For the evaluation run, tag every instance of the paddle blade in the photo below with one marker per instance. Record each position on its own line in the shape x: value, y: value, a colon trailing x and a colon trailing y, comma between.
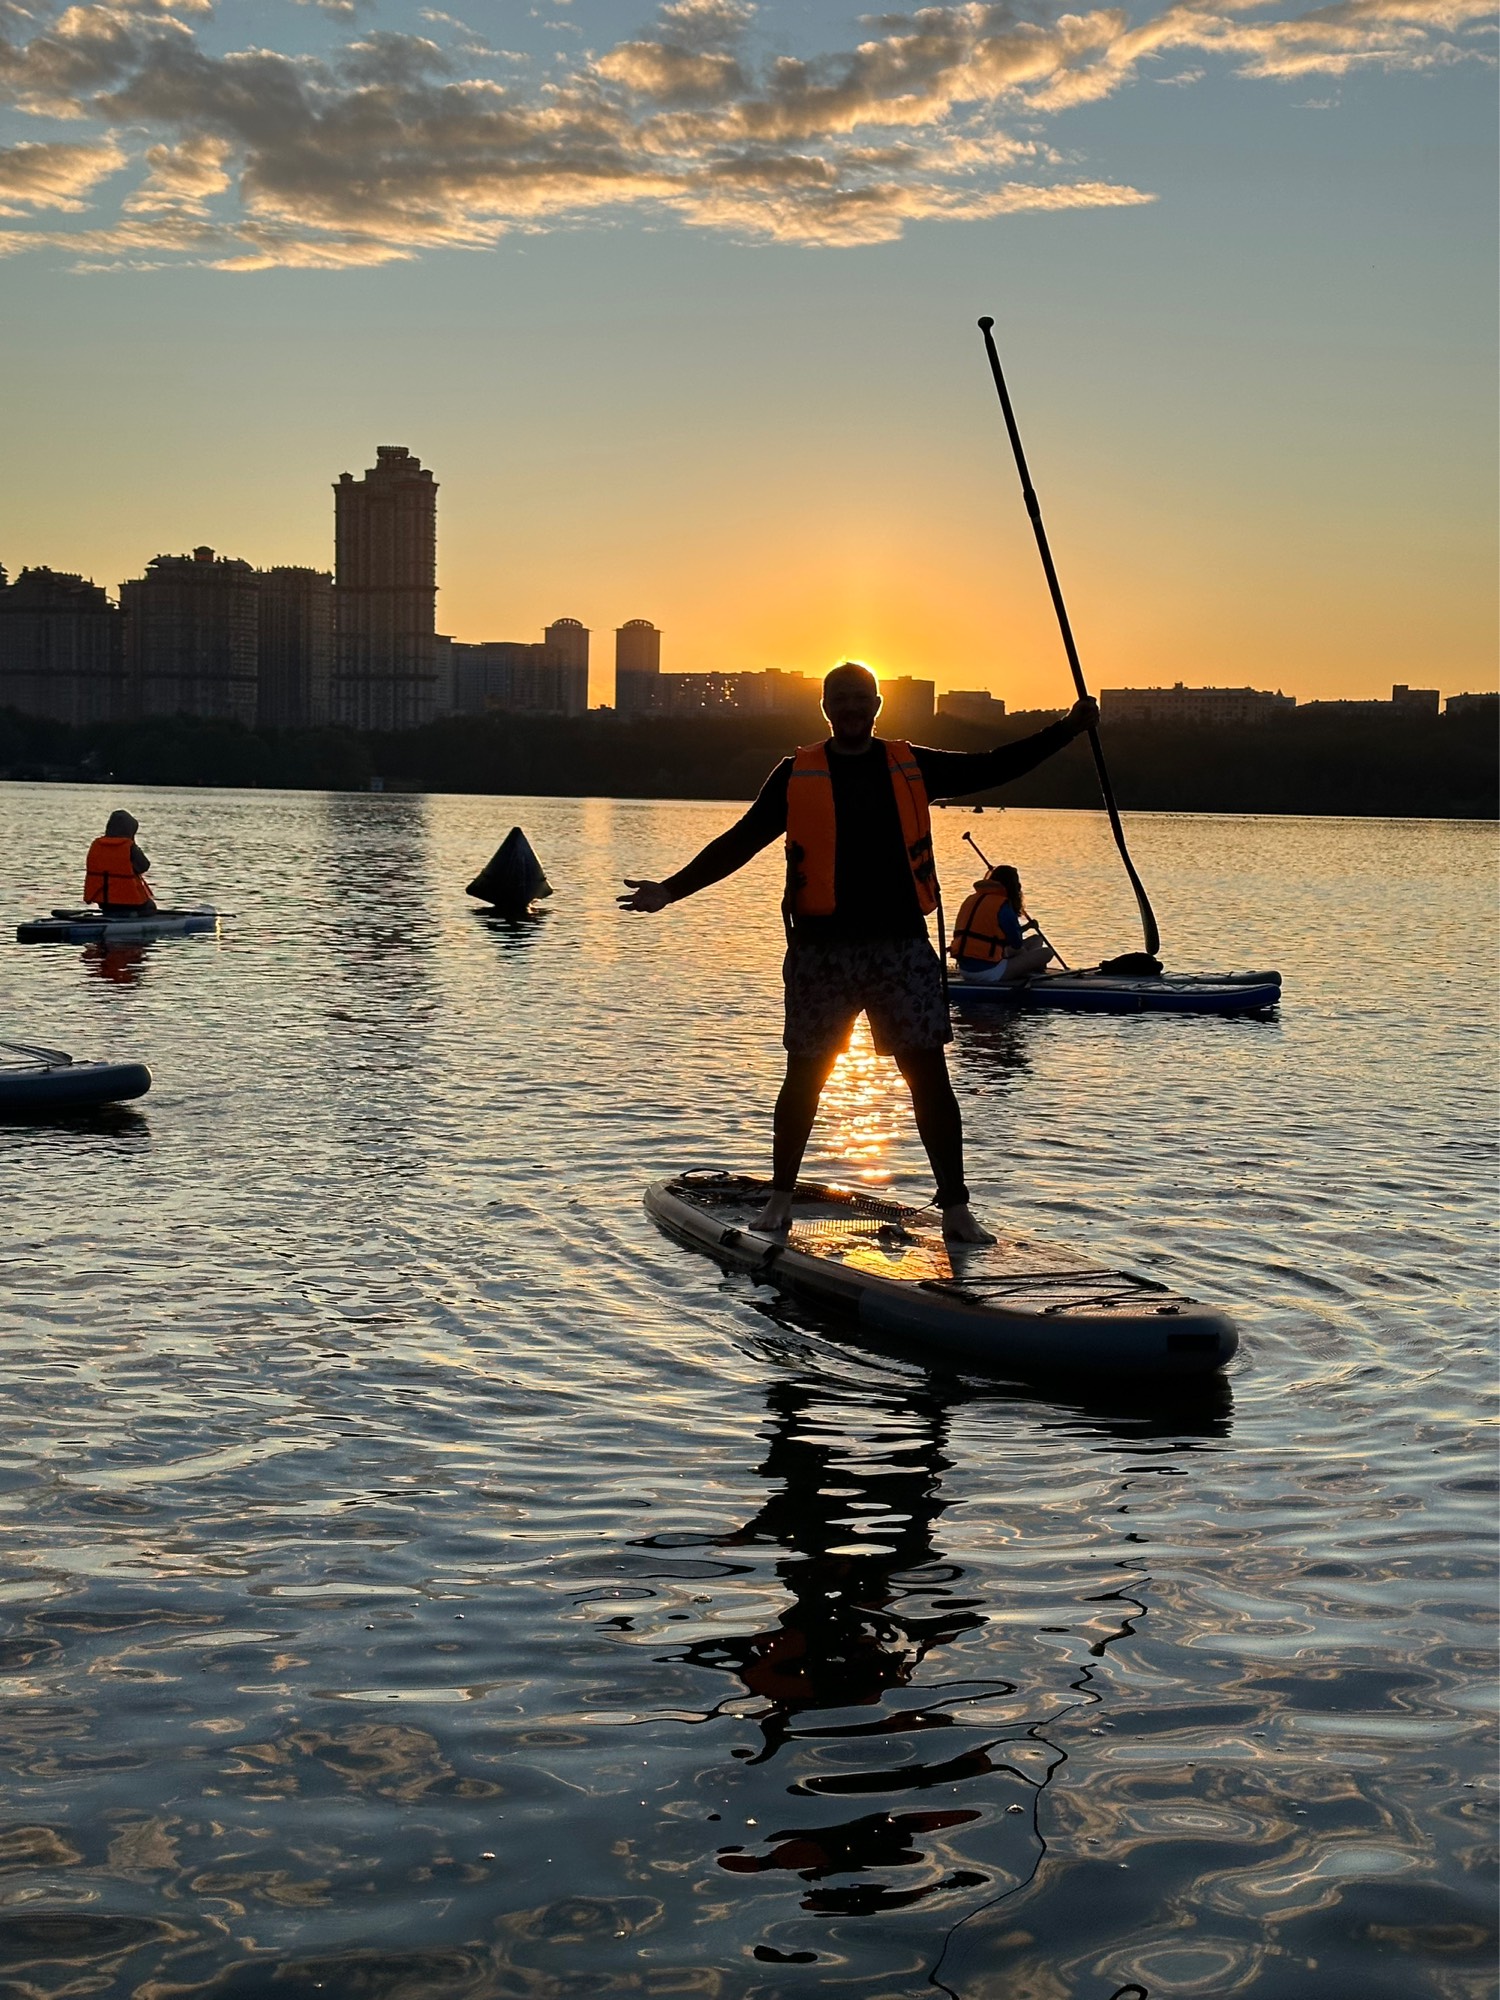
x: 1133, y: 965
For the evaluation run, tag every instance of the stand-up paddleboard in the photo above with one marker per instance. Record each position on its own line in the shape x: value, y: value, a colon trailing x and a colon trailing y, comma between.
x: 89, y: 927
x: 41, y: 1080
x: 1021, y: 1306
x: 1100, y: 992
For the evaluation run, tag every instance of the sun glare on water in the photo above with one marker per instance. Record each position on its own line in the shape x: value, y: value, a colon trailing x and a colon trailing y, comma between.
x: 862, y: 1104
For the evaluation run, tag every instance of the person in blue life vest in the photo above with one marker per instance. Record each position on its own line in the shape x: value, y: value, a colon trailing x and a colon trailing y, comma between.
x: 989, y: 939
x: 860, y: 884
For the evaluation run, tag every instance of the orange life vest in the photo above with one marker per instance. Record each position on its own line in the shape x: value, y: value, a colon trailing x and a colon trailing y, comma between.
x: 109, y: 873
x: 811, y: 833
x: 977, y: 934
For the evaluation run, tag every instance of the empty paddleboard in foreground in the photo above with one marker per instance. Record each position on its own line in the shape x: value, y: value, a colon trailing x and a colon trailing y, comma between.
x: 45, y: 1080
x: 1023, y: 1305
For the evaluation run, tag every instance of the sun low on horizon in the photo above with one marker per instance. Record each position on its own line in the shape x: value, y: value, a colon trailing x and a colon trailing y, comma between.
x: 679, y: 307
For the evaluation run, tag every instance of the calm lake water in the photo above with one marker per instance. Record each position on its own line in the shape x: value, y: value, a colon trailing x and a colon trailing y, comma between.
x: 423, y: 1578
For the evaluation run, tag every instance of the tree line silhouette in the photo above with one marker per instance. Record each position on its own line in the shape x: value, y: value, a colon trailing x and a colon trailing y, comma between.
x: 1313, y: 760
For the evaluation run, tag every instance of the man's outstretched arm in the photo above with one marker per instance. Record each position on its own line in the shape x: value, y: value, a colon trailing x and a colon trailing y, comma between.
x: 950, y: 774
x: 764, y: 822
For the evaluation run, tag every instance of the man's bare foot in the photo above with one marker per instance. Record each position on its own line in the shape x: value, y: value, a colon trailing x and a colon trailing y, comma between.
x: 962, y: 1225
x: 777, y: 1213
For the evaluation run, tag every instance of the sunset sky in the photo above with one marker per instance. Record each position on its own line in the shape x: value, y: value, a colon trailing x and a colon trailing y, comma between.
x: 679, y: 307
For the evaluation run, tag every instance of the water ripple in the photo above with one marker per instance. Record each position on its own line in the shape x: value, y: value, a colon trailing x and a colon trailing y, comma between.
x: 422, y: 1578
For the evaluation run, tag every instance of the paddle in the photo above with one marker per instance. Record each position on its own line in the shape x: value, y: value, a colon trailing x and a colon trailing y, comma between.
x: 1031, y: 922
x: 1033, y: 508
x: 54, y: 1058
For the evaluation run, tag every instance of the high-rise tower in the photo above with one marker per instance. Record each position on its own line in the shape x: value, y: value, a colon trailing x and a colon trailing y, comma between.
x: 385, y: 593
x: 60, y: 649
x: 566, y: 641
x: 296, y: 646
x: 192, y: 634
x: 637, y: 666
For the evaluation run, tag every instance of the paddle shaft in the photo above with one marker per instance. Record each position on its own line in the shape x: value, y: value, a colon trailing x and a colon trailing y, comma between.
x: 1033, y: 508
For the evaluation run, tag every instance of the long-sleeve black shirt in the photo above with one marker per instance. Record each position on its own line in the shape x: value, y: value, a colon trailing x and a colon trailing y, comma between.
x: 874, y: 895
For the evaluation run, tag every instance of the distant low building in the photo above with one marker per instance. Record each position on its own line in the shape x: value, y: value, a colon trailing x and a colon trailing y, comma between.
x: 60, y: 648
x: 907, y: 710
x: 775, y: 691
x: 907, y: 706
x: 767, y: 693
x: 695, y: 694
x: 444, y: 694
x: 519, y: 678
x: 1416, y: 701
x: 1404, y: 700
x: 1346, y: 707
x: 192, y: 638
x: 771, y: 691
x: 1225, y: 706
x: 971, y: 705
x: 1487, y: 705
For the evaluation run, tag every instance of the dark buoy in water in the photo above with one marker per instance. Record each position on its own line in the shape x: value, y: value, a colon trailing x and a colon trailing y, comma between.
x: 512, y: 879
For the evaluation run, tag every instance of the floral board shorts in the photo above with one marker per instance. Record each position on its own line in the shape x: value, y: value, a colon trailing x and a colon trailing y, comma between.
x: 898, y: 982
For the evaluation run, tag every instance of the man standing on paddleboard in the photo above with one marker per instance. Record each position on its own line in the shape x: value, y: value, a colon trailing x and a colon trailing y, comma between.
x: 860, y: 885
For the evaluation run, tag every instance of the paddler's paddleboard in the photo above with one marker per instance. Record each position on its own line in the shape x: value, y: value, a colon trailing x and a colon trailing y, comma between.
x: 1022, y: 1306
x: 89, y: 927
x: 1100, y: 992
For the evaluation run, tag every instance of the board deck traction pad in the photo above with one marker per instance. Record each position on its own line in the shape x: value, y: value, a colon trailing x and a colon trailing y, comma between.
x: 888, y: 1239
x: 1010, y: 1293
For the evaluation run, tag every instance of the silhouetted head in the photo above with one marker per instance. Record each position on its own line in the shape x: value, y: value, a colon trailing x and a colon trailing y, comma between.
x: 122, y: 825
x: 1003, y: 876
x: 851, y: 701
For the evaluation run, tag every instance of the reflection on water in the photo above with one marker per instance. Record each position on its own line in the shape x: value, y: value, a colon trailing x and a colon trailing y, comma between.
x: 422, y: 1578
x: 513, y: 933
x: 864, y: 1107
x: 120, y: 964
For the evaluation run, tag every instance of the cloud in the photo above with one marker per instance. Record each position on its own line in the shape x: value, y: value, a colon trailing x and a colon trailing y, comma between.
x: 388, y: 144
x: 41, y: 176
x: 182, y: 178
x: 57, y: 71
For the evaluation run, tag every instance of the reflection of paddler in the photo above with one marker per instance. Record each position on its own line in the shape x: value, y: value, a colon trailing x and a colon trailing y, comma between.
x: 848, y: 1636
x: 115, y: 872
x: 121, y: 965
x: 877, y: 1840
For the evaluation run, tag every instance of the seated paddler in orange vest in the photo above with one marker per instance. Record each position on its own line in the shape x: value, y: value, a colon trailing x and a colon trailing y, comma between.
x: 989, y: 939
x: 115, y: 872
x: 860, y: 885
